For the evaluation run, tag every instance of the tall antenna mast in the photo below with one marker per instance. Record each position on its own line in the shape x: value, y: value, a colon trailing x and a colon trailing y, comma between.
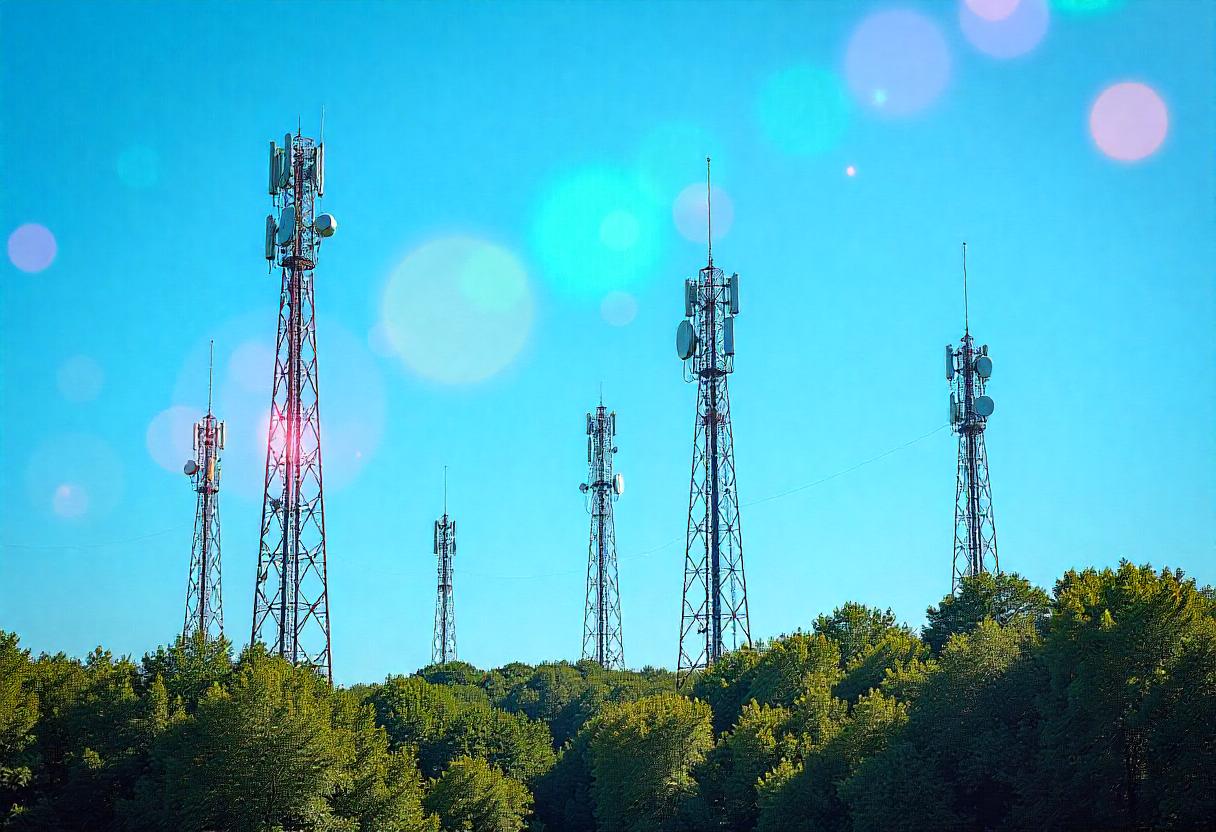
x: 210, y: 375
x: 204, y: 599
x: 291, y: 594
x: 443, y: 641
x: 966, y: 303
x: 709, y: 213
x: 602, y: 636
x: 714, y: 614
x: 968, y: 370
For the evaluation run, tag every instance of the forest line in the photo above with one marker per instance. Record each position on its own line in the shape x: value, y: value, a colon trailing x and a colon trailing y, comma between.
x: 1090, y: 707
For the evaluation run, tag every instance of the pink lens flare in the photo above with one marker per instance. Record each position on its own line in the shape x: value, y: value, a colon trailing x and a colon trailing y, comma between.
x: 897, y: 62
x: 32, y: 247
x: 1129, y: 121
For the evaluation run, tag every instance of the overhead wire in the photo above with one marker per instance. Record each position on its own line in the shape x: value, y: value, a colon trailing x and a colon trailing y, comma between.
x: 787, y: 492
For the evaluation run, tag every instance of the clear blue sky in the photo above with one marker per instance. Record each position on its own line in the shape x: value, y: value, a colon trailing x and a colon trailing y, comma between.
x: 552, y: 140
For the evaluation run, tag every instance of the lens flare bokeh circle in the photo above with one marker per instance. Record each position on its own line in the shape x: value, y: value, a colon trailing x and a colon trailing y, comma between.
x: 619, y: 308
x: 1014, y: 34
x: 897, y: 62
x: 32, y: 247
x: 1129, y: 121
x: 75, y: 476
x: 691, y: 213
x: 992, y: 9
x: 599, y: 230
x: 458, y: 310
x: 170, y: 436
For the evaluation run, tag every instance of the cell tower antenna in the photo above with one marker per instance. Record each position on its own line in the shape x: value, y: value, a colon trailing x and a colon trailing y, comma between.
x: 714, y: 614
x: 443, y: 642
x: 968, y: 370
x: 210, y: 374
x: 709, y: 213
x: 602, y: 635
x: 204, y: 597
x: 966, y: 302
x: 291, y: 594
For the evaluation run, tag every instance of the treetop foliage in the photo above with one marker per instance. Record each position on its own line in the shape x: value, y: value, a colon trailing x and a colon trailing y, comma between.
x: 1092, y: 707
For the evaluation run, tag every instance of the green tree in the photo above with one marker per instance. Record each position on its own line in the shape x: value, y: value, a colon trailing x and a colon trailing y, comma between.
x: 968, y: 742
x: 473, y: 796
x: 1116, y: 640
x: 1005, y: 598
x: 895, y: 651
x: 93, y: 736
x: 806, y: 797
x: 728, y: 777
x: 642, y: 754
x: 190, y: 666
x: 855, y: 627
x: 379, y: 790
x: 726, y: 686
x: 262, y: 753
x: 793, y: 665
x: 453, y: 673
x: 18, y: 715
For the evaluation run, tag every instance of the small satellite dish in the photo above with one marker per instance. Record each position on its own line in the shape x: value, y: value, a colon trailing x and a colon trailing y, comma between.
x: 190, y: 468
x: 984, y: 406
x: 325, y: 225
x: 287, y: 225
x: 582, y: 486
x: 949, y: 362
x: 618, y: 484
x: 983, y: 366
x: 686, y: 340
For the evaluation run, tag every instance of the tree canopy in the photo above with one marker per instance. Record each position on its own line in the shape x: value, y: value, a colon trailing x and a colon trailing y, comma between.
x: 1092, y: 707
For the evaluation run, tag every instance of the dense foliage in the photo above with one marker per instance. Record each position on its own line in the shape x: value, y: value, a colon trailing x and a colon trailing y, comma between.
x: 1093, y: 707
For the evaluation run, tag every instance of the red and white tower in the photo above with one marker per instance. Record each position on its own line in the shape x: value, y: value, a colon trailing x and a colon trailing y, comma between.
x: 291, y: 599
x: 204, y: 602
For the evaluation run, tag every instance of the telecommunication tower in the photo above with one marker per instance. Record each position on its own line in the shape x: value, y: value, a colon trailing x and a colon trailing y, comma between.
x: 602, y: 641
x: 714, y: 617
x: 204, y: 600
x: 443, y: 642
x: 968, y: 370
x: 291, y: 599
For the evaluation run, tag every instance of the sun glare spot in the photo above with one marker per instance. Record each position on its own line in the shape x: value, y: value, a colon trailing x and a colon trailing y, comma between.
x: 32, y: 247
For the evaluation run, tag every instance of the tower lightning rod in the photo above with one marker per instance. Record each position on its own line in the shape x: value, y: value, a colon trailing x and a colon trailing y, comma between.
x: 709, y: 213
x: 210, y: 375
x: 966, y: 304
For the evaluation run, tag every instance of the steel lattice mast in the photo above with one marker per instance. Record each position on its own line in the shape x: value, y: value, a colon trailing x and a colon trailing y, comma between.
x: 602, y: 640
x: 291, y: 599
x: 968, y: 370
x: 443, y: 642
x: 204, y: 599
x: 714, y: 616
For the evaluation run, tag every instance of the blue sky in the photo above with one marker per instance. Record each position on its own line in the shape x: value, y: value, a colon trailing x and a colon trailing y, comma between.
x: 547, y: 144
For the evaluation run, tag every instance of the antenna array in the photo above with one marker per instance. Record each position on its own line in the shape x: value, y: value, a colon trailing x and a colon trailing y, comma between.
x: 291, y: 596
x: 602, y: 639
x: 968, y: 370
x: 443, y: 642
x: 714, y: 616
x: 204, y: 598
